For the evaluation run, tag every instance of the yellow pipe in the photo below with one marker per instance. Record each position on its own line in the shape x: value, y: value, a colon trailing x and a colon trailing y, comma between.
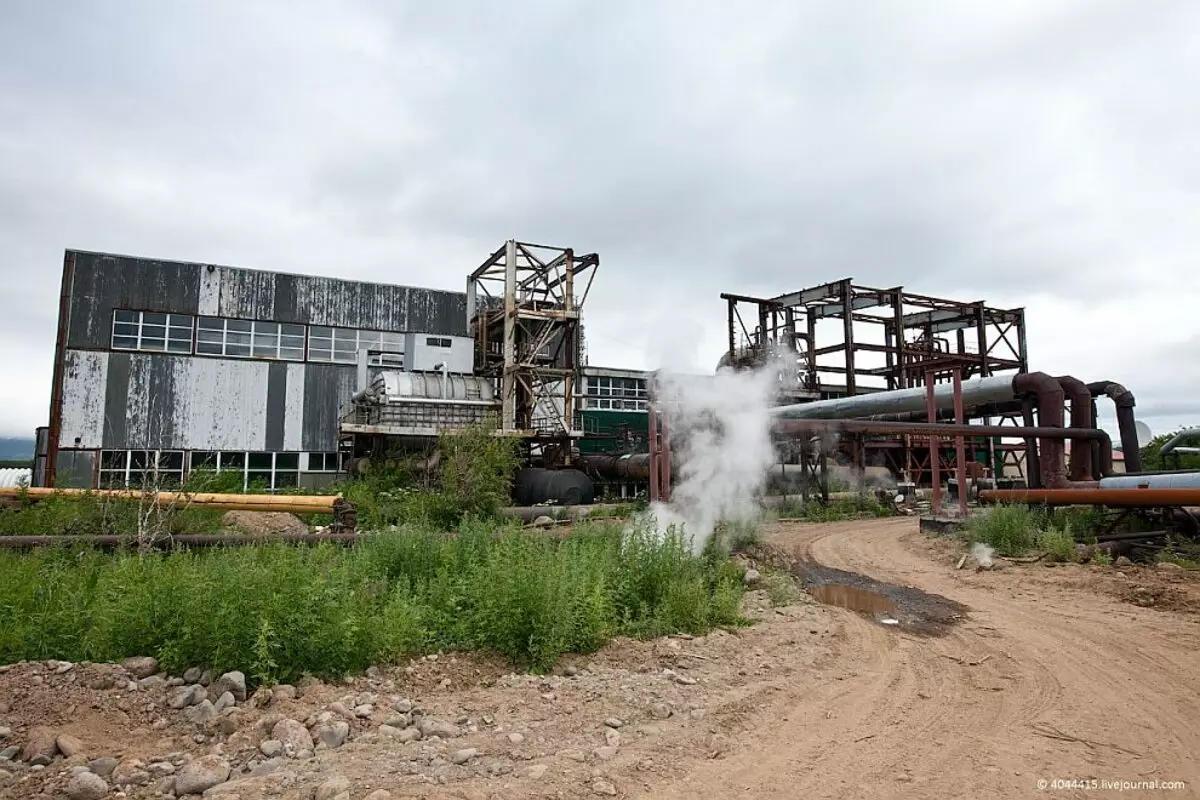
x: 238, y: 502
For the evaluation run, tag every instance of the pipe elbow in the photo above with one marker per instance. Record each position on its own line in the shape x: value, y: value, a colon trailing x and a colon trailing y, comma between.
x: 1121, y: 397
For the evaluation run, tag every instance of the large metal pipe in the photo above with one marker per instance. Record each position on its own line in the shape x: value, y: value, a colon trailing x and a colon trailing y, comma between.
x: 867, y: 426
x: 1129, y: 498
x: 1172, y: 444
x: 1075, y: 390
x: 978, y: 391
x: 1126, y: 423
x: 168, y: 542
x: 300, y: 503
x: 633, y: 466
x: 1178, y: 480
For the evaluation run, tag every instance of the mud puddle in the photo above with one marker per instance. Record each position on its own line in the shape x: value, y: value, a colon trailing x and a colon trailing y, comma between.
x: 888, y: 604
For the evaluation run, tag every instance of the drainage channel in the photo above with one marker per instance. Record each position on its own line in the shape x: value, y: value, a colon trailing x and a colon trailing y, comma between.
x: 888, y: 604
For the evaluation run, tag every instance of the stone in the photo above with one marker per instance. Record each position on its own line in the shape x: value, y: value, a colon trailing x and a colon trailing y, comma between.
x: 9, y: 753
x: 201, y: 713
x: 605, y: 753
x: 612, y: 737
x: 436, y: 727
x: 130, y: 772
x: 86, y: 786
x: 751, y: 577
x: 152, y: 682
x: 185, y: 696
x: 192, y: 675
x: 535, y: 772
x: 285, y: 691
x: 271, y: 748
x: 464, y: 755
x: 225, y: 701
x: 614, y: 722
x: 404, y: 706
x: 571, y: 671
x: 331, y: 788
x: 364, y: 711
x: 399, y: 720
x: 1122, y: 561
x: 266, y: 767
x: 41, y: 742
x: 206, y: 678
x: 5, y: 732
x: 684, y: 680
x: 660, y: 711
x: 103, y: 766
x: 203, y: 773
x: 175, y: 681
x: 233, y: 682
x: 262, y: 523
x: 574, y: 755
x: 403, y: 735
x: 140, y: 666
x: 379, y: 794
x: 603, y: 787
x: 161, y: 768
x: 515, y: 738
x: 294, y: 737
x: 1167, y: 566
x: 332, y: 735
x: 69, y: 745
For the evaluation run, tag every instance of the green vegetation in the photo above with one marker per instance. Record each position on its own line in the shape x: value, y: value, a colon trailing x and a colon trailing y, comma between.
x: 836, y: 510
x: 781, y: 588
x: 1153, y: 459
x: 277, y: 611
x: 95, y: 514
x: 1013, y: 530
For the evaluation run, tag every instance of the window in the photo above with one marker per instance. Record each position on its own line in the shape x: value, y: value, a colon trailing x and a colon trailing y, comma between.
x: 242, y: 338
x: 437, y: 341
x: 323, y: 462
x: 138, y: 468
x: 614, y: 394
x: 152, y: 332
x: 341, y: 345
x: 269, y: 471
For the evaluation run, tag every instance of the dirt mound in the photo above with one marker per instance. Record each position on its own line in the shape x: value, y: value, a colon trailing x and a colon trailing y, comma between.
x: 263, y: 523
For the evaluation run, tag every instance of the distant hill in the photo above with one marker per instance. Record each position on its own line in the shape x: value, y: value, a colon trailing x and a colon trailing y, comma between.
x: 16, y: 449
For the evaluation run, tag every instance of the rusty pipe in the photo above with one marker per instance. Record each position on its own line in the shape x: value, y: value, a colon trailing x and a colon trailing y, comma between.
x: 1051, y: 401
x: 1075, y: 390
x: 1130, y: 498
x: 626, y: 467
x: 1126, y: 423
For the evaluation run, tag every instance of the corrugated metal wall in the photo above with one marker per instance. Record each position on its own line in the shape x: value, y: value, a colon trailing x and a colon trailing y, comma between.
x: 127, y: 400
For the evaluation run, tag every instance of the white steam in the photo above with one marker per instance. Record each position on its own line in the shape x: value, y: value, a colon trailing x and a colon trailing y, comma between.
x: 982, y: 554
x: 721, y: 447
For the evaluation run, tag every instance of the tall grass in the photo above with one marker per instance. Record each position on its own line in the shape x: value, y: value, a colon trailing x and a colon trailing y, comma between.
x: 836, y: 510
x: 276, y: 611
x: 1013, y: 530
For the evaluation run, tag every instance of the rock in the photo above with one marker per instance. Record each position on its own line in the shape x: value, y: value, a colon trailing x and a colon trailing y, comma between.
x: 751, y: 577
x: 294, y: 737
x: 140, y: 666
x: 603, y: 787
x: 515, y: 738
x: 1167, y: 566
x: 41, y: 742
x: 574, y: 755
x: 399, y: 720
x: 192, y: 675
x: 542, y: 521
x: 40, y: 761
x: 331, y: 788
x: 5, y: 732
x: 684, y: 680
x: 69, y: 745
x: 660, y: 711
x: 403, y: 706
x: 161, y: 768
x: 379, y: 794
x: 285, y: 692
x: 206, y: 678
x: 605, y: 753
x: 86, y: 786
x: 332, y: 735
x: 614, y: 722
x: 404, y: 735
x: 1122, y: 561
x: 535, y: 772
x: 203, y: 773
x: 175, y: 681
x: 233, y: 682
x: 225, y: 701
x: 436, y: 727
x: 462, y: 719
x: 266, y: 767
x: 571, y: 671
x: 271, y: 748
x: 130, y: 772
x: 200, y: 713
x: 364, y: 711
x: 103, y: 766
x: 611, y: 737
x: 262, y: 523
x: 9, y: 753
x: 464, y: 755
x: 151, y: 682
x: 185, y: 696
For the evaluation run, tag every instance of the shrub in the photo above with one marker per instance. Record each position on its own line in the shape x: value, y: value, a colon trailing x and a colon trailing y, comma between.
x: 1009, y: 529
x: 781, y: 588
x: 836, y: 510
x: 1058, y: 543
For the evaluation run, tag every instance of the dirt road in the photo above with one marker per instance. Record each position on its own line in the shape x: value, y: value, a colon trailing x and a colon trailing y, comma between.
x: 1044, y: 680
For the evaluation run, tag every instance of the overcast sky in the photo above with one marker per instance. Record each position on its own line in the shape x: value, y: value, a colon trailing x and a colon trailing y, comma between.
x: 1034, y: 153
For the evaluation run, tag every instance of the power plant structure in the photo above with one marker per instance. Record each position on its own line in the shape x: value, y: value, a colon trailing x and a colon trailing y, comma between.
x: 165, y: 367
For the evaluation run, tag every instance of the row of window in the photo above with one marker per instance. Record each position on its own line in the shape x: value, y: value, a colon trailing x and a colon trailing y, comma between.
x: 272, y: 471
x: 239, y: 338
x: 603, y: 386
x: 613, y: 404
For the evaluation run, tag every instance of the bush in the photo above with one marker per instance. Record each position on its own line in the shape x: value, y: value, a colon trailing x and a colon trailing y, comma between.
x: 1058, y: 543
x: 781, y: 588
x: 87, y: 513
x: 1009, y: 529
x: 836, y: 510
x: 277, y: 611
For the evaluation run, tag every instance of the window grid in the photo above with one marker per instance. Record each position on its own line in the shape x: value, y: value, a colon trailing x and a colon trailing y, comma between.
x: 240, y: 338
x: 152, y: 332
x: 341, y: 345
x: 137, y: 468
x: 606, y: 393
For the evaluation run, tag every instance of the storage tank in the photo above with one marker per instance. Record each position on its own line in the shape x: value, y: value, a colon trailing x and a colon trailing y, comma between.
x: 564, y: 487
x: 397, y: 386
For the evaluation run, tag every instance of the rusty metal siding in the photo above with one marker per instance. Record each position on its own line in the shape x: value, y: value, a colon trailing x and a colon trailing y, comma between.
x: 326, y: 388
x: 104, y: 282
x: 85, y: 372
x: 247, y: 294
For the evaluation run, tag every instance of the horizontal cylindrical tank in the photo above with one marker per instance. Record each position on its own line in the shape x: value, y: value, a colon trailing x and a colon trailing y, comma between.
x: 1178, y: 480
x: 564, y: 487
x: 398, y: 385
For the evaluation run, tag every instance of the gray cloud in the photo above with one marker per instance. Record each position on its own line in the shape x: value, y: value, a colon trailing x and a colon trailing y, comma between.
x: 1026, y: 153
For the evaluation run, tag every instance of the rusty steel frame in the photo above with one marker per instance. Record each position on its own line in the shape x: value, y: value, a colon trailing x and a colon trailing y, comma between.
x: 524, y: 310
